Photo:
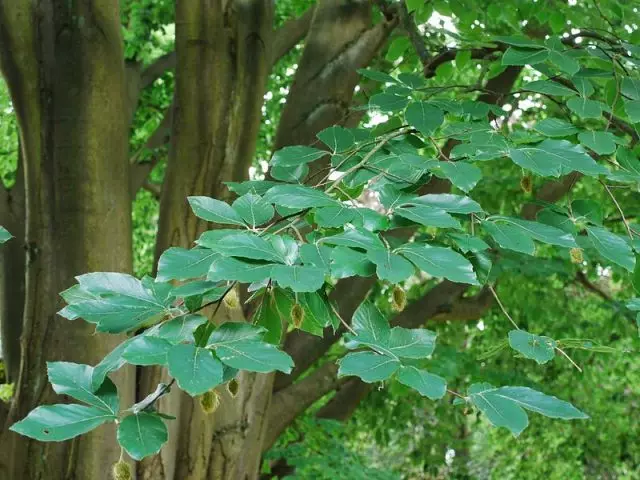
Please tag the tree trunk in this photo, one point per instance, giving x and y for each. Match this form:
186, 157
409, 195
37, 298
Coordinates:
63, 62
12, 263
223, 56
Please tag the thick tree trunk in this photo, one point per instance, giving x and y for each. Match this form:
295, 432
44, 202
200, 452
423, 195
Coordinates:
223, 56
222, 62
63, 62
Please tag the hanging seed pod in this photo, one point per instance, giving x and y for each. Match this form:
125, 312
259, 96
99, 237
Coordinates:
232, 387
297, 315
210, 401
526, 184
576, 255
398, 299
121, 471
231, 300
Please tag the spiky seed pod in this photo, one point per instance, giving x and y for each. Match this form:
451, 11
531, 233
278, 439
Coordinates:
231, 300
232, 387
576, 255
526, 184
210, 401
121, 471
297, 315
398, 299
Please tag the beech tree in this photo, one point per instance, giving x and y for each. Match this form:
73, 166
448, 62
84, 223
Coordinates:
406, 169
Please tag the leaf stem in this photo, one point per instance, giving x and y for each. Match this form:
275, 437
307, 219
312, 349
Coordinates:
504, 310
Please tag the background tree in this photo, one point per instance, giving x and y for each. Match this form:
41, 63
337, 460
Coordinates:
194, 117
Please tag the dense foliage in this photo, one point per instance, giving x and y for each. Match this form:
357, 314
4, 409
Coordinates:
361, 202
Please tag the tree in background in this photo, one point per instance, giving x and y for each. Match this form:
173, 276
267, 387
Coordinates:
83, 99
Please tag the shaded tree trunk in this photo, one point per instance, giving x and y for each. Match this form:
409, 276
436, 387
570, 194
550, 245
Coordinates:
63, 62
223, 58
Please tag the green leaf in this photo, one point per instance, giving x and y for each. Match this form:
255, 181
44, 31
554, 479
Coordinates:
337, 138
296, 155
603, 143
500, 412
390, 267
182, 264
355, 238
631, 88
368, 319
468, 243
440, 262
334, 216
369, 366
224, 268
387, 102
549, 87
290, 174
268, 317
194, 368
510, 237
4, 235
463, 175
427, 384
246, 245
632, 107
298, 197
179, 329
585, 108
587, 209
518, 56
538, 402
346, 262
147, 350
213, 210
142, 435
554, 127
555, 158
583, 86
76, 380
253, 209
113, 361
56, 423
411, 343
376, 75
299, 278
535, 347
564, 62
541, 232
119, 302
255, 356
201, 287
612, 247
447, 202
230, 333
316, 255
429, 216
424, 117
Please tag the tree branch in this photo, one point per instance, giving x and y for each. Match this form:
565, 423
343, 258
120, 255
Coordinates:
158, 68
287, 404
550, 192
289, 34
140, 170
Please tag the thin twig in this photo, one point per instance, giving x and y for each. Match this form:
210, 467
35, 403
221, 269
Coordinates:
365, 159
569, 358
495, 295
624, 220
